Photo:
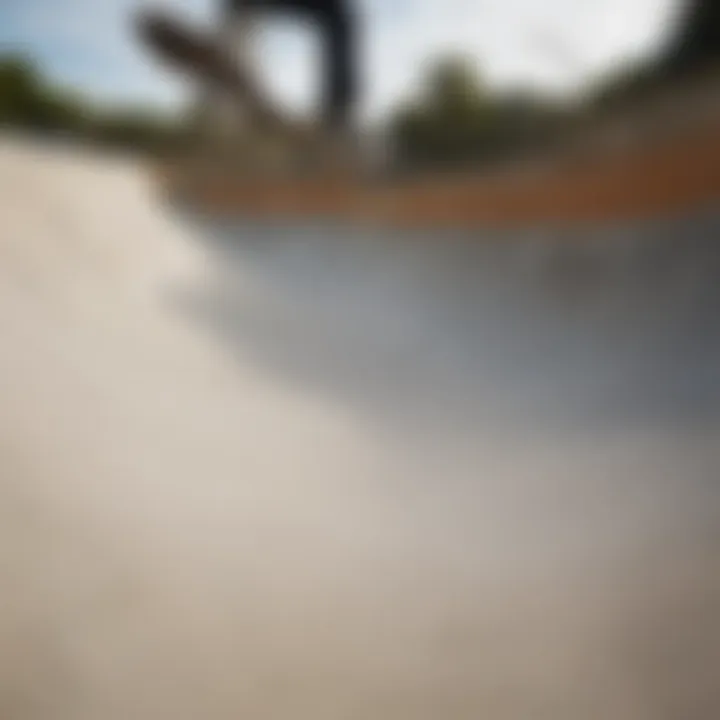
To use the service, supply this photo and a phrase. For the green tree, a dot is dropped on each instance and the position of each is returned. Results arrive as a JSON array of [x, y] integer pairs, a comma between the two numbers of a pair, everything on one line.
[[449, 123], [27, 100], [19, 90], [453, 86], [458, 122]]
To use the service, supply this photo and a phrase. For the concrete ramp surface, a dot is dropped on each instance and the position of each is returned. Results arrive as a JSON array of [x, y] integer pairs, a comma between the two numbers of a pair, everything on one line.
[[314, 472]]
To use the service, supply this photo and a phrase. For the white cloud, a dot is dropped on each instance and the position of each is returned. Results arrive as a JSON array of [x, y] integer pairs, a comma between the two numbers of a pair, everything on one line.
[[554, 43]]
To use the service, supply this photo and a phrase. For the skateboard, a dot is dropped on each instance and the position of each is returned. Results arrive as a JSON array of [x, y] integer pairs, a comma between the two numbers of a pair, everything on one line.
[[198, 55]]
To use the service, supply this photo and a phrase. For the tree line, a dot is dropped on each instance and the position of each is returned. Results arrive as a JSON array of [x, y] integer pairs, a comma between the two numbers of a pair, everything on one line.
[[28, 100], [457, 121]]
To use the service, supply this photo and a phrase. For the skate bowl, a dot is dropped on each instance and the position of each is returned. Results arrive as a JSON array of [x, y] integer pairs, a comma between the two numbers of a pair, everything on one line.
[[272, 467]]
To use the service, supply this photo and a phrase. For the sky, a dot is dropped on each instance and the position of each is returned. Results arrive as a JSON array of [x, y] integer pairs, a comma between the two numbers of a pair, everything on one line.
[[556, 45]]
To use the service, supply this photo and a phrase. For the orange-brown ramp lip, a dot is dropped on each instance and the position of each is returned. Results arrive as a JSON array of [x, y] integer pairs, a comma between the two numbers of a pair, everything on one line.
[[680, 174]]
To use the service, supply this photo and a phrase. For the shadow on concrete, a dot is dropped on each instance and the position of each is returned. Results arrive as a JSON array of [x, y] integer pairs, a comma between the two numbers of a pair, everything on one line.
[[582, 331]]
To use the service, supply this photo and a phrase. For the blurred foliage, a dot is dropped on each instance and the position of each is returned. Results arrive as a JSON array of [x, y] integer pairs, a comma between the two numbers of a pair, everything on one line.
[[457, 121], [137, 129], [30, 102], [26, 100]]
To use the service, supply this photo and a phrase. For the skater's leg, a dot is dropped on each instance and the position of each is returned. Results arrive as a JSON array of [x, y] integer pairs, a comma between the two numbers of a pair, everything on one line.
[[336, 23]]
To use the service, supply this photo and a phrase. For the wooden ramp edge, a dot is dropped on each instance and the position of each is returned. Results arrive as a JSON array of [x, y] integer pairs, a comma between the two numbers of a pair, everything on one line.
[[674, 175]]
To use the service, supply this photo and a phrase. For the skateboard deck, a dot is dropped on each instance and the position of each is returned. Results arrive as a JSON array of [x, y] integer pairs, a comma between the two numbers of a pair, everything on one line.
[[196, 54]]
